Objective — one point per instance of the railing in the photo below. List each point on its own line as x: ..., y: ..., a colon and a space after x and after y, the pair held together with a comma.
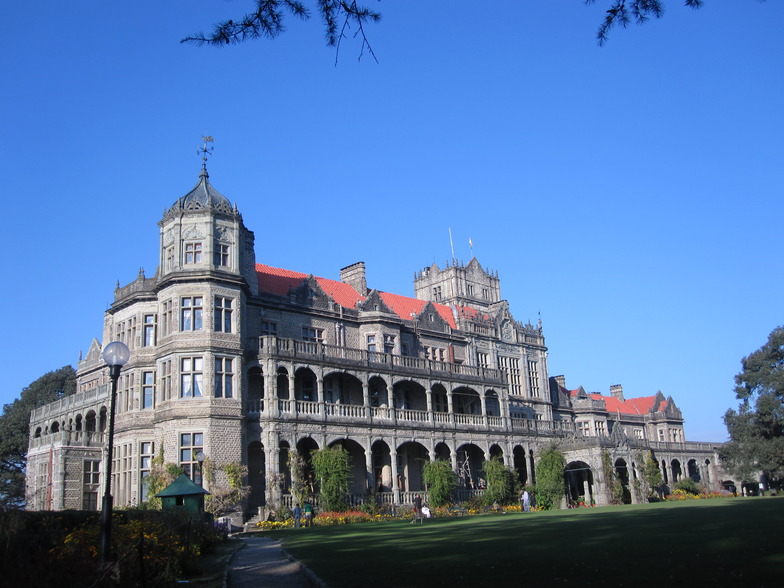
x: 85, y: 399
x: 337, y: 355
x: 70, y: 438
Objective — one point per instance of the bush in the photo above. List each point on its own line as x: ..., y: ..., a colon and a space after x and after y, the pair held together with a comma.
x: 687, y: 485
x: 441, y: 481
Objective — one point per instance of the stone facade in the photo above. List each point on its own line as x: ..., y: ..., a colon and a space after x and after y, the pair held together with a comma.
x: 247, y: 362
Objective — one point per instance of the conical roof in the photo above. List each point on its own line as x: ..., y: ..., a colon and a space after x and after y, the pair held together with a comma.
x: 182, y: 486
x: 203, y: 197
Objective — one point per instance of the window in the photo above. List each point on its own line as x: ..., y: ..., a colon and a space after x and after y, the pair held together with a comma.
x: 486, y: 293
x: 404, y: 349
x: 222, y: 314
x: 389, y: 343
x: 269, y: 328
x: 470, y: 289
x: 191, y: 377
x: 312, y: 335
x: 193, y: 253
x: 191, y: 313
x: 601, y: 429
x: 483, y: 359
x: 221, y: 255
x: 661, y: 435
x: 167, y: 317
x: 371, y: 343
x: 584, y: 428
x: 533, y: 379
x: 437, y: 293
x: 91, y: 482
x: 638, y: 433
x: 224, y: 376
x: 435, y: 353
x: 169, y: 258
x: 146, y: 454
x: 125, y: 331
x: 149, y: 330
x: 511, y: 366
x: 166, y: 379
x: 148, y: 389
x: 190, y: 446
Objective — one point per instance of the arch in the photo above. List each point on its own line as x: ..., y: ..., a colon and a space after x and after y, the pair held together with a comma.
x: 693, y: 470
x: 438, y: 398
x: 78, y: 422
x: 90, y: 423
x: 409, y: 395
x: 677, y: 472
x: 466, y: 401
x: 469, y: 466
x: 343, y: 388
x: 103, y: 420
x: 378, y: 392
x: 665, y: 476
x: 381, y: 458
x: 255, y: 388
x: 492, y: 404
x: 284, y: 469
x: 496, y: 451
x: 55, y: 427
x: 442, y: 451
x: 411, y: 457
x: 518, y: 460
x: 257, y: 476
x: 622, y: 473
x: 358, y: 466
x: 578, y: 477
x: 305, y: 385
x: 282, y: 383
x: 37, y: 432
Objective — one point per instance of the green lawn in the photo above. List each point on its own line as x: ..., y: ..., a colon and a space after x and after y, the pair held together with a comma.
x: 720, y: 542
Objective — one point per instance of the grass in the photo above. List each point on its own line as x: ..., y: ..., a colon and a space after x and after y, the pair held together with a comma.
x: 716, y: 542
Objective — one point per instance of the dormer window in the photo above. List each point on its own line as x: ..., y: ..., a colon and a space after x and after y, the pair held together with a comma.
x: 193, y: 252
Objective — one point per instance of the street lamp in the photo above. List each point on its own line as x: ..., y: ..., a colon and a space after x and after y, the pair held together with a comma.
x: 200, y: 459
x: 116, y: 355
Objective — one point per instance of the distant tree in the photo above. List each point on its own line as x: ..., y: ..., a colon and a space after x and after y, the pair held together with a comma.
x: 332, y: 467
x: 611, y: 479
x: 300, y: 487
x: 441, y: 481
x: 651, y: 474
x: 15, y: 431
x: 756, y: 429
x: 550, y: 477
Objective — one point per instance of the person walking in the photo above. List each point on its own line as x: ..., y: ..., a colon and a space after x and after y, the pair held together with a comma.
x: 526, y: 500
x: 308, y: 514
x: 297, y: 515
x: 417, y: 509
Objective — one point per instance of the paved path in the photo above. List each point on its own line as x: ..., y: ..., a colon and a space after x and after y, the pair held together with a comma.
x: 262, y: 562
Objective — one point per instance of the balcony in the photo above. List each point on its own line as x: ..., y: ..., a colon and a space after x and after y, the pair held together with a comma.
x: 343, y: 357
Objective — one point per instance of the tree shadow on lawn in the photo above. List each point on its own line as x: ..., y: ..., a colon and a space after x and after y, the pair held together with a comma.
x: 716, y: 542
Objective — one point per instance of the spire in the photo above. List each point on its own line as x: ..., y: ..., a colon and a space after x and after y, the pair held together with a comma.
x: 204, y: 151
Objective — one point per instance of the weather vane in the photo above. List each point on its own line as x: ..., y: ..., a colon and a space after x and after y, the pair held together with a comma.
x: 205, y: 151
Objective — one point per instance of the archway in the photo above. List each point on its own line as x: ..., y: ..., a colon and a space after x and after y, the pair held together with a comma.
x: 492, y: 405
x: 305, y: 385
x: 257, y: 478
x: 466, y: 401
x: 343, y: 388
x: 496, y: 451
x: 382, y: 466
x: 409, y: 395
x: 412, y: 457
x: 469, y: 466
x: 356, y: 454
x: 379, y: 396
x: 438, y: 398
x: 677, y: 473
x: 442, y: 451
x: 518, y: 457
x: 90, y: 422
x: 282, y: 383
x: 578, y: 476
x: 622, y: 472
x: 693, y: 470
x: 255, y: 390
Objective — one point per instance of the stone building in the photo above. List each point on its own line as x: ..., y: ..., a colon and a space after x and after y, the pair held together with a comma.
x: 246, y: 362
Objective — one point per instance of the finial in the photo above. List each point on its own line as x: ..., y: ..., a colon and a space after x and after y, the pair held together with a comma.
x: 204, y: 152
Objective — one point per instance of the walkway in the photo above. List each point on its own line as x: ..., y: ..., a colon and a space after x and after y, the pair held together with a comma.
x: 262, y: 562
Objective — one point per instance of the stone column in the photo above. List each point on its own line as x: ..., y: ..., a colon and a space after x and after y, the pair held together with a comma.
x: 393, y: 465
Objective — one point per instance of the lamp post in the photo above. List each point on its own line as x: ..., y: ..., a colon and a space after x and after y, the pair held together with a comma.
x: 116, y: 355
x: 200, y: 459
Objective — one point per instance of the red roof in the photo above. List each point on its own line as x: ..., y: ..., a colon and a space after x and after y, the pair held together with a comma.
x: 641, y: 405
x: 277, y: 281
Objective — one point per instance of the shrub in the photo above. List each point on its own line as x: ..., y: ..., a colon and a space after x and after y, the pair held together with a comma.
x: 502, y: 483
x: 441, y: 481
x: 550, y: 478
x: 687, y: 485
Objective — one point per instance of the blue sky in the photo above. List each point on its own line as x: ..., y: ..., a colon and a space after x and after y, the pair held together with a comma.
x: 631, y: 195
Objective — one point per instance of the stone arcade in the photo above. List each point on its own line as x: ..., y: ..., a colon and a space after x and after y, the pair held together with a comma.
x: 246, y: 362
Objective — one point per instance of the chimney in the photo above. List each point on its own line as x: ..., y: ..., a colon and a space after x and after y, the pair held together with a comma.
x: 616, y: 390
x: 561, y: 381
x: 354, y: 276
